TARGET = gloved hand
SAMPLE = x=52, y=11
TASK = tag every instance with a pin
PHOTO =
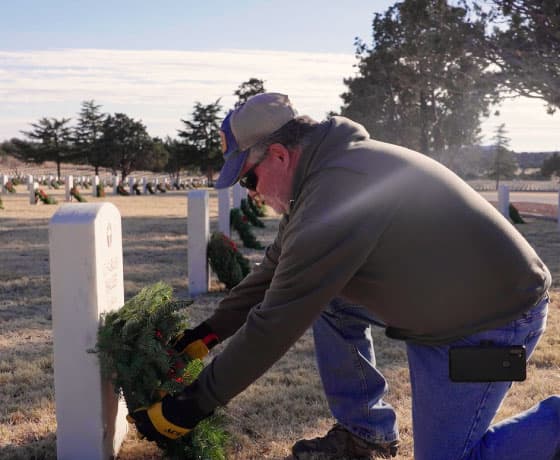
x=170, y=418
x=196, y=342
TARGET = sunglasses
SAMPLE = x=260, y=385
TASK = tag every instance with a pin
x=250, y=179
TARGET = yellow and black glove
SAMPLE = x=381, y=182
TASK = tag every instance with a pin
x=170, y=418
x=196, y=342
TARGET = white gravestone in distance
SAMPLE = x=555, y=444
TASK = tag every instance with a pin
x=238, y=194
x=503, y=200
x=68, y=187
x=198, y=231
x=224, y=208
x=3, y=182
x=94, y=185
x=86, y=266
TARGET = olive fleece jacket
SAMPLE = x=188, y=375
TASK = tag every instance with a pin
x=381, y=226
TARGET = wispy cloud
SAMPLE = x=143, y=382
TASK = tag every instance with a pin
x=161, y=87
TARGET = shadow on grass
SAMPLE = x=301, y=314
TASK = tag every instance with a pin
x=41, y=449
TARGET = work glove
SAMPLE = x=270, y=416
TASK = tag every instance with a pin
x=196, y=342
x=170, y=418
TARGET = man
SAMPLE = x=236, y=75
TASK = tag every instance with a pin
x=371, y=233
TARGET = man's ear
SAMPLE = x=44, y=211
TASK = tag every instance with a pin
x=280, y=154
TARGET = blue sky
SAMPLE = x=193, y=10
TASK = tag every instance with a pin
x=154, y=60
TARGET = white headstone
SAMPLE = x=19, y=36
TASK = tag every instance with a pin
x=51, y=178
x=238, y=194
x=224, y=208
x=503, y=200
x=131, y=183
x=115, y=185
x=32, y=199
x=67, y=187
x=144, y=186
x=3, y=182
x=29, y=182
x=94, y=185
x=86, y=270
x=198, y=230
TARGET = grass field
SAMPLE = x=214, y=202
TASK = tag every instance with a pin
x=283, y=406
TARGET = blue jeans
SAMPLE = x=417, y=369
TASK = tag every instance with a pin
x=451, y=421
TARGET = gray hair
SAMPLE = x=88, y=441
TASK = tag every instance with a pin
x=295, y=133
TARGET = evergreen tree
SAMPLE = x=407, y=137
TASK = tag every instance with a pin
x=551, y=166
x=127, y=144
x=525, y=45
x=51, y=140
x=202, y=135
x=88, y=133
x=504, y=163
x=247, y=89
x=423, y=83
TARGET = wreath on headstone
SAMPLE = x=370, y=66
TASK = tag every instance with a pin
x=41, y=196
x=10, y=187
x=122, y=191
x=55, y=184
x=250, y=214
x=514, y=215
x=74, y=192
x=258, y=207
x=229, y=265
x=136, y=188
x=100, y=189
x=136, y=354
x=240, y=223
x=160, y=188
x=150, y=188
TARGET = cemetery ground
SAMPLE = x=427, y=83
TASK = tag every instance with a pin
x=284, y=405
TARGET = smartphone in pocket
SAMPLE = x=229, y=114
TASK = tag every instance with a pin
x=487, y=363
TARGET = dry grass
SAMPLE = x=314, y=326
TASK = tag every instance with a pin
x=283, y=406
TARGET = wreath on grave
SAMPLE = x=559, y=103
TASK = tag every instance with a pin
x=160, y=188
x=55, y=184
x=229, y=265
x=10, y=187
x=258, y=207
x=150, y=188
x=40, y=195
x=16, y=181
x=136, y=188
x=250, y=214
x=135, y=353
x=240, y=223
x=74, y=192
x=1, y=203
x=514, y=215
x=122, y=191
x=100, y=190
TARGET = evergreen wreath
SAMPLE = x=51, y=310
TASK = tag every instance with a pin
x=122, y=191
x=160, y=188
x=258, y=209
x=10, y=187
x=150, y=188
x=55, y=184
x=250, y=214
x=514, y=215
x=226, y=261
x=239, y=223
x=76, y=194
x=136, y=188
x=40, y=195
x=134, y=349
x=100, y=189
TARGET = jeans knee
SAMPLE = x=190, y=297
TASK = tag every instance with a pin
x=553, y=405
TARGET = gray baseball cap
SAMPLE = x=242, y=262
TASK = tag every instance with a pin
x=246, y=126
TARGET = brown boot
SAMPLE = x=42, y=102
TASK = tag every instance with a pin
x=339, y=443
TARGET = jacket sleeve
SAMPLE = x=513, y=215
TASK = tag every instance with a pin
x=233, y=309
x=323, y=245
